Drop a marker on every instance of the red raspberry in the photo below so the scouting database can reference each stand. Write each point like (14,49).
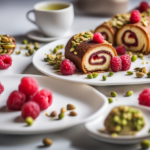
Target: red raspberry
(1,88)
(126,62)
(116,64)
(135,16)
(28,86)
(98,38)
(121,50)
(16,100)
(43,98)
(30,109)
(5,61)
(144,97)
(29,98)
(143,6)
(67,67)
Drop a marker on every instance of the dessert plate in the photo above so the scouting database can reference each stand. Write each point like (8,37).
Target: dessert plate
(119,78)
(88,101)
(95,125)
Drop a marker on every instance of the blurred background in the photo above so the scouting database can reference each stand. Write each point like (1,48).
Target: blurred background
(13,13)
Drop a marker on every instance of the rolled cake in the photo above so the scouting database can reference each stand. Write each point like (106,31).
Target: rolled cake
(135,37)
(7,44)
(110,28)
(87,55)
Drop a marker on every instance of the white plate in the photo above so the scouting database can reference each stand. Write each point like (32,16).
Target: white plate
(119,78)
(89,102)
(38,36)
(93,126)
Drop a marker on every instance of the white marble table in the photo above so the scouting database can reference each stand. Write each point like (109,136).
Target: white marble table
(14,22)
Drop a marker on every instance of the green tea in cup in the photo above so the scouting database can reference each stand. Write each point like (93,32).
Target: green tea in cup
(53,6)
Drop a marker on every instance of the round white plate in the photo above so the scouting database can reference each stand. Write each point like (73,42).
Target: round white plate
(119,78)
(38,36)
(88,101)
(93,126)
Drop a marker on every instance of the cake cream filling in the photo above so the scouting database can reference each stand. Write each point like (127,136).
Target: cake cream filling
(96,67)
(129,40)
(109,34)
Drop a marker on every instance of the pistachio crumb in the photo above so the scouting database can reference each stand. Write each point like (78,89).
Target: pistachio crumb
(46,114)
(143,63)
(18,52)
(147,62)
(130,53)
(142,58)
(75,53)
(27,54)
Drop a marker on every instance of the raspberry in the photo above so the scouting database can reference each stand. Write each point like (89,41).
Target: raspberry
(121,50)
(67,67)
(29,98)
(116,64)
(135,16)
(28,86)
(126,62)
(16,100)
(30,109)
(5,61)
(144,97)
(1,88)
(143,6)
(98,38)
(43,98)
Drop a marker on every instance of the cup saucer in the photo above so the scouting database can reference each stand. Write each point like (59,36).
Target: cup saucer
(38,36)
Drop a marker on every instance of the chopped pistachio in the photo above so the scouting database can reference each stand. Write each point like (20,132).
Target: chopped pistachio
(18,52)
(25,41)
(56,67)
(52,62)
(75,53)
(130,53)
(72,49)
(27,54)
(31,51)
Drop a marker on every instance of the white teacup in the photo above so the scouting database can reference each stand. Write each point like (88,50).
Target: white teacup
(53,22)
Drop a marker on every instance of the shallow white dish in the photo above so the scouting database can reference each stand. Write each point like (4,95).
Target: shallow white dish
(119,78)
(89,102)
(93,126)
(38,36)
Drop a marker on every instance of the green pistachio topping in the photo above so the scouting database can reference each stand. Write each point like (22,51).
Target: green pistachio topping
(61,116)
(104,78)
(145,144)
(110,100)
(25,41)
(113,94)
(89,76)
(129,93)
(95,75)
(134,58)
(129,72)
(29,121)
(110,74)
